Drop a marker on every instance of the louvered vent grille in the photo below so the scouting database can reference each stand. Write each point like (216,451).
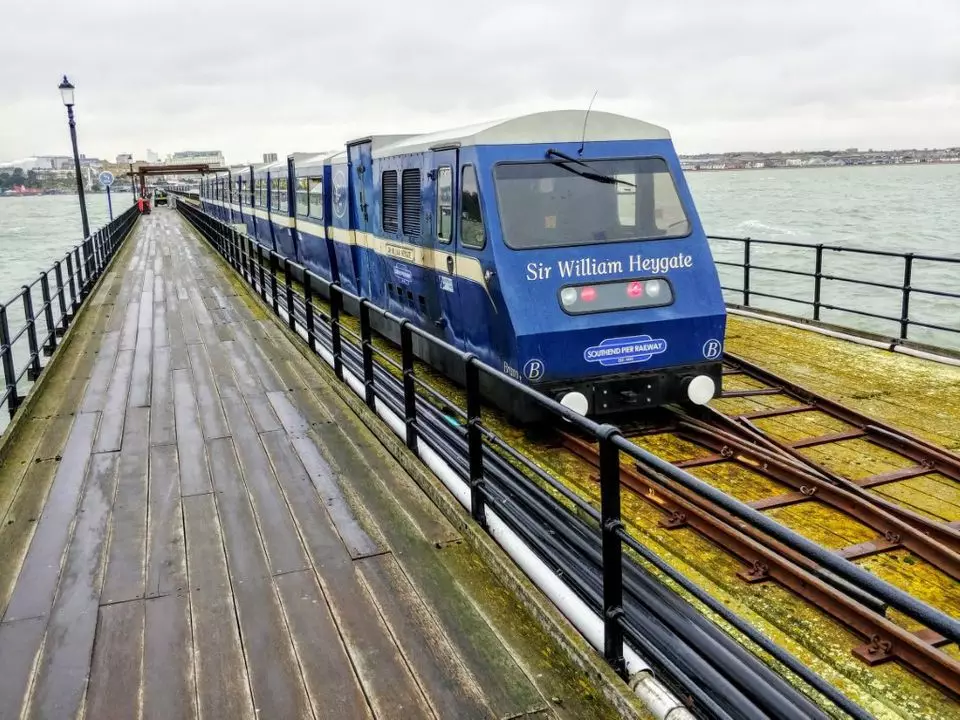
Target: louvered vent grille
(390,201)
(411,202)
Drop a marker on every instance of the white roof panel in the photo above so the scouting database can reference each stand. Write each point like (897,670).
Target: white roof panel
(553,126)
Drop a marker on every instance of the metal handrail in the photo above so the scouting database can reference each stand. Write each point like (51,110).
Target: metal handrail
(586,547)
(23,347)
(813,297)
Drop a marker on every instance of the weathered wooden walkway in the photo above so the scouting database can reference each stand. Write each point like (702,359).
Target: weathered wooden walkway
(195,525)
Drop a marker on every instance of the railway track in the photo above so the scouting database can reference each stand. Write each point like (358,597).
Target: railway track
(736,441)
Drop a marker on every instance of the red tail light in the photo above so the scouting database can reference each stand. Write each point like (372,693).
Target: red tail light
(635,289)
(588,294)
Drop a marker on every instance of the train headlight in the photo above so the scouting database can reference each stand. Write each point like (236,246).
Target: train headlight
(701,389)
(653,288)
(568,296)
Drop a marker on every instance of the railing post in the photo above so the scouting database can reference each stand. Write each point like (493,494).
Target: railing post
(33,372)
(74,301)
(409,385)
(817,278)
(746,271)
(474,440)
(308,309)
(51,344)
(9,373)
(612,551)
(64,319)
(273,282)
(81,282)
(905,302)
(366,347)
(246,262)
(336,343)
(263,281)
(288,286)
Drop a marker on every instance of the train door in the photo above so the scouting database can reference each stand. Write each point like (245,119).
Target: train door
(360,164)
(442,192)
(295,253)
(481,326)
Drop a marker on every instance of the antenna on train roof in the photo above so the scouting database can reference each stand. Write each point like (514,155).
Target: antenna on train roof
(583,137)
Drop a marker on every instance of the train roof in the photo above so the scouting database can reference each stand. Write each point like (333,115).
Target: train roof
(552,126)
(316,158)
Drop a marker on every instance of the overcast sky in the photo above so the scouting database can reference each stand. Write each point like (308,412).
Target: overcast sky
(306,75)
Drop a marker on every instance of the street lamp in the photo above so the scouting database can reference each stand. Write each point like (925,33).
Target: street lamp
(66,92)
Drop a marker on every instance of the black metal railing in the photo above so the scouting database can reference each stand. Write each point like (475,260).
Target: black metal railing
(32,321)
(582,544)
(904,296)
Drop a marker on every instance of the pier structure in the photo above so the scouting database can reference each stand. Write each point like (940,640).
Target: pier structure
(218,502)
(197,525)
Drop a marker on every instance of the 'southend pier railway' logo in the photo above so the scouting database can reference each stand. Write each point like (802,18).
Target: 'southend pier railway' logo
(625,350)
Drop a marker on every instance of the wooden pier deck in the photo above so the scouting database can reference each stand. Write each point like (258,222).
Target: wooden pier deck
(195,525)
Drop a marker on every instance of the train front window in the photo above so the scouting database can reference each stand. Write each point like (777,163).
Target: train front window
(571,202)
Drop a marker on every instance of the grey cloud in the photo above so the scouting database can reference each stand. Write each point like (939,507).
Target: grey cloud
(288,75)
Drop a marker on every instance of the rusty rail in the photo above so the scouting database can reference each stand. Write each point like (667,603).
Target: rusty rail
(766,559)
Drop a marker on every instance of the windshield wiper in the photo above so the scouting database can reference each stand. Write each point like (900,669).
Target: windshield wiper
(589,174)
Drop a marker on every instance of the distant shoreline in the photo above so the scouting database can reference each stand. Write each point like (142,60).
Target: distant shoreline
(819,167)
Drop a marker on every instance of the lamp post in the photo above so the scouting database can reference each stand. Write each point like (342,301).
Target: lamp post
(66,92)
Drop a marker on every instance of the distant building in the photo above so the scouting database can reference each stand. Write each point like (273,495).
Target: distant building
(196,157)
(152,157)
(269,158)
(124,159)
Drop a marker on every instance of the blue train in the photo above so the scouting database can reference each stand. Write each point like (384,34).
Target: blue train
(564,250)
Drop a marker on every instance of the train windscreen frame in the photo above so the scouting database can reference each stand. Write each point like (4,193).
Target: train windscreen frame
(566,202)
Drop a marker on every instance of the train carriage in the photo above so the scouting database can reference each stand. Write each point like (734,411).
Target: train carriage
(568,255)
(565,250)
(311,183)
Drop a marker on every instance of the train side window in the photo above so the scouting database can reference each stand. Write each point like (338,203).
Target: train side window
(412,202)
(471,221)
(445,204)
(303,199)
(390,210)
(274,194)
(281,194)
(316,197)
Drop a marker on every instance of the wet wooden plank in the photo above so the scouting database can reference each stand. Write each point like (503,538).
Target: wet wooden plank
(222,687)
(111,424)
(166,563)
(191,332)
(291,419)
(333,687)
(179,360)
(452,689)
(273,516)
(274,676)
(194,476)
(124,577)
(34,591)
(212,421)
(169,688)
(95,396)
(390,688)
(247,381)
(265,372)
(128,335)
(142,366)
(64,663)
(321,475)
(115,671)
(163,428)
(145,319)
(264,418)
(19,643)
